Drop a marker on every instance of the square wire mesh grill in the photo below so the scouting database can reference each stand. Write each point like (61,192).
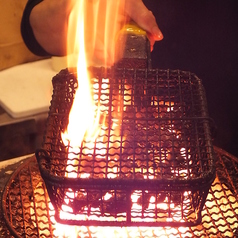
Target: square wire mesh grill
(151,163)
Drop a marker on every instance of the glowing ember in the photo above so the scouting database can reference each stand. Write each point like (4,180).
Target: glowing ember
(217,200)
(220,207)
(219,216)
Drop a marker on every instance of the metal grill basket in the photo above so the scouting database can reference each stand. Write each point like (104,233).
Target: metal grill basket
(151,164)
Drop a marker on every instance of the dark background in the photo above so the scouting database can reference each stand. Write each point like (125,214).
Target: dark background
(202,37)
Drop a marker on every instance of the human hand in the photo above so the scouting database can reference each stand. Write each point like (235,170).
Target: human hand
(145,19)
(110,17)
(49,21)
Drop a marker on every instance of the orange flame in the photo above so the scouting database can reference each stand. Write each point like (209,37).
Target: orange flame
(93,27)
(82,114)
(102,20)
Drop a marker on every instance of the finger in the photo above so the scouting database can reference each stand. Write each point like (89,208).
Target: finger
(152,41)
(138,12)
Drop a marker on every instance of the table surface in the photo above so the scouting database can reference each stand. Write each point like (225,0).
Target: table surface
(26,89)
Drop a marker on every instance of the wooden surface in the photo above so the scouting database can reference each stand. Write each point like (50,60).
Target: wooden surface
(20,136)
(13,51)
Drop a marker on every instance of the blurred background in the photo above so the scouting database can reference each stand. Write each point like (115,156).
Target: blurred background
(202,37)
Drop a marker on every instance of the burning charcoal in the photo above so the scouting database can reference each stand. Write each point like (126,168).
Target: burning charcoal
(166,142)
(113,209)
(78,205)
(177,161)
(176,198)
(79,202)
(115,205)
(161,197)
(89,199)
(137,176)
(94,196)
(144,200)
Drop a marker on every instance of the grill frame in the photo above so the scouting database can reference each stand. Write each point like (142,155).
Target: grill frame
(173,187)
(214,222)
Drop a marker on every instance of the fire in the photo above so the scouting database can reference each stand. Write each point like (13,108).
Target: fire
(81,116)
(93,27)
(101,20)
(221,207)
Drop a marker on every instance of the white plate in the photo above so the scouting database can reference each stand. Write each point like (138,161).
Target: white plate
(26,89)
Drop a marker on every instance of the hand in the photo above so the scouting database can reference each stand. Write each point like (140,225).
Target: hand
(102,33)
(138,12)
(49,21)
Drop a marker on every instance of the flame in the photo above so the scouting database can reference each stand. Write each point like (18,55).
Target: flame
(92,33)
(82,114)
(102,21)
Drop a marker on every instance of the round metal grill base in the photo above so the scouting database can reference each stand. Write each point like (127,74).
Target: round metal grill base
(27,213)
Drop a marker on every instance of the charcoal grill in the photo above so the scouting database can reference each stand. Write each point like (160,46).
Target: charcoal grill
(27,211)
(152,163)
